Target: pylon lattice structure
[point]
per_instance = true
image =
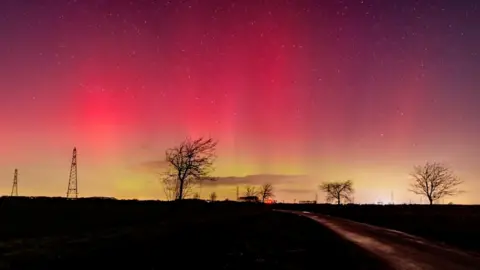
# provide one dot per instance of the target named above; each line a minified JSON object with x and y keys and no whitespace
{"x":15,"y":184}
{"x":72,"y":191}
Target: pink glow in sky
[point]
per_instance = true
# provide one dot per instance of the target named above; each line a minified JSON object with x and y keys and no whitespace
{"x":295,"y":92}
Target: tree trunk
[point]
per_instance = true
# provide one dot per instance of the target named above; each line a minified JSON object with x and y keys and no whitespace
{"x":338,"y":200}
{"x":180,"y":192}
{"x":430,"y":200}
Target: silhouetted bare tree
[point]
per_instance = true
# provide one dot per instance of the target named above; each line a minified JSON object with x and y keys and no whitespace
{"x":213,"y":196}
{"x":250,"y":191}
{"x":171,"y":187}
{"x":266,"y":192}
{"x":338,"y":191}
{"x":189,"y":163}
{"x":434,"y":181}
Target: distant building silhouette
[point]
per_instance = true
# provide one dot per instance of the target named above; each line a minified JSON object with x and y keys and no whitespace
{"x":249,"y":199}
{"x":307,"y":202}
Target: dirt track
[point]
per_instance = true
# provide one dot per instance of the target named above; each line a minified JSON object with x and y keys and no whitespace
{"x":402,"y":251}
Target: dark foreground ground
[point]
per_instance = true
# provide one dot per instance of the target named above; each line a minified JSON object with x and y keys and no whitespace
{"x":155,"y":235}
{"x":454,"y":225}
{"x":403,"y":251}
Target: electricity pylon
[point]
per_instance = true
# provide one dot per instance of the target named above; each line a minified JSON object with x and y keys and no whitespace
{"x":15,"y":184}
{"x":72,"y":191}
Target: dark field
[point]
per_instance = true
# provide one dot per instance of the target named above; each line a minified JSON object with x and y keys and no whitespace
{"x":48,"y":233}
{"x":455,"y":225}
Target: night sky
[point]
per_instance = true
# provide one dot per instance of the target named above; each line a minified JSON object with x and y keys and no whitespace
{"x":296,"y":92}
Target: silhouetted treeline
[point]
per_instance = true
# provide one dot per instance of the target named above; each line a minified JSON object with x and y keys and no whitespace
{"x":44,"y":216}
{"x":453,"y":224}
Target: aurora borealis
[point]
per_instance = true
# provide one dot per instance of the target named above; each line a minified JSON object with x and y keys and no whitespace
{"x":296,"y":92}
